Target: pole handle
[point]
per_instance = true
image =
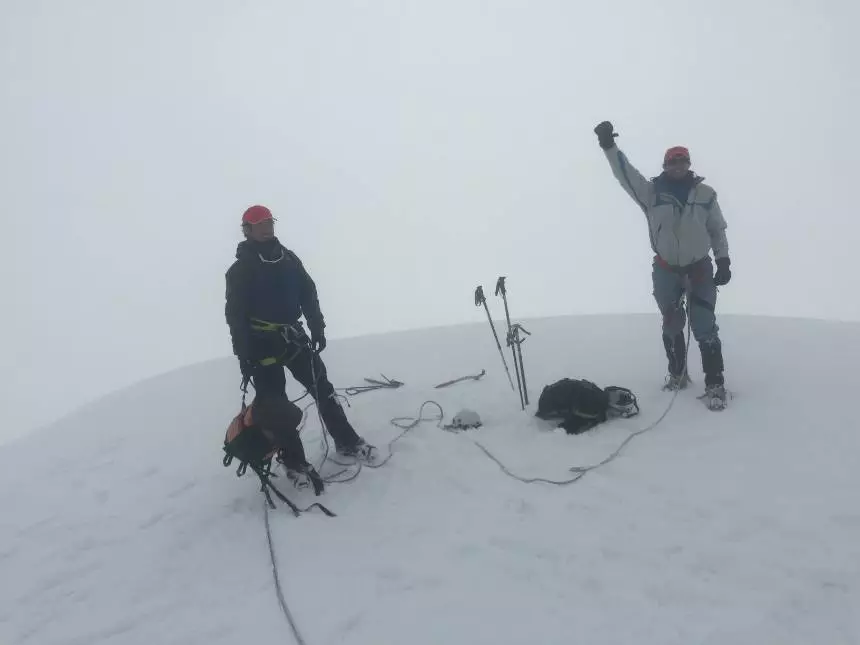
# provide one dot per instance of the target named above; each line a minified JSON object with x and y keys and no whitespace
{"x":500,"y":286}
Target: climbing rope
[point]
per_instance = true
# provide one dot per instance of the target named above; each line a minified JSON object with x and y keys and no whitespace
{"x":409,"y":423}
{"x":397,"y":421}
{"x":278,"y":588}
{"x":337,"y":478}
{"x":412,"y":422}
{"x":582,"y":470}
{"x":526,"y":480}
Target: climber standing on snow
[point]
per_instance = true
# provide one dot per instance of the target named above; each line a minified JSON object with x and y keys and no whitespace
{"x":268,"y":289}
{"x":685,"y":224}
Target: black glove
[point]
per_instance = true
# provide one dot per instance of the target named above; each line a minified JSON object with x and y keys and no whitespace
{"x":605,"y":135}
{"x":318,"y":342}
{"x":723,"y":274}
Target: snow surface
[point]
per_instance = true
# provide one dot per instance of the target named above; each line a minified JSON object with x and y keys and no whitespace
{"x":120,"y":525}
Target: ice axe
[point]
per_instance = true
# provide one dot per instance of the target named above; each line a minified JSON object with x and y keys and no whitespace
{"x":469,"y":377}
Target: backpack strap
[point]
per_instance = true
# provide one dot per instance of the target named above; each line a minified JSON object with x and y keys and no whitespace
{"x":579,"y":421}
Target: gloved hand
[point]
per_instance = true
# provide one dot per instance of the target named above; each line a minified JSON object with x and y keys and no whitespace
{"x":605,"y":135}
{"x":318,"y":342}
{"x":724,"y":273}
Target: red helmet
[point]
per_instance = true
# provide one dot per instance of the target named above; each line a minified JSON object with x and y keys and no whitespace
{"x":676,"y":152}
{"x":256,"y":214}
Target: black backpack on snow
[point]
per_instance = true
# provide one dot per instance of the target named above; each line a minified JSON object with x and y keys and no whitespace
{"x":581,"y":405}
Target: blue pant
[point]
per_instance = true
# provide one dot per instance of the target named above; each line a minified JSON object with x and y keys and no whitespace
{"x":669,"y":285}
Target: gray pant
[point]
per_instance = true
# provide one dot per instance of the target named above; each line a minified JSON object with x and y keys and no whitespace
{"x":669,"y":284}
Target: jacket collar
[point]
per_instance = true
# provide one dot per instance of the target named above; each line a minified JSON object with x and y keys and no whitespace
{"x":269,"y":252}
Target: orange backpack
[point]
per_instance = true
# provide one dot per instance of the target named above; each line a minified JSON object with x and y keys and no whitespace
{"x":248,"y":443}
{"x":253,"y":447}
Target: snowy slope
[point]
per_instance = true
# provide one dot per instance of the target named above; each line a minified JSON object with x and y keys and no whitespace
{"x":120,"y":525}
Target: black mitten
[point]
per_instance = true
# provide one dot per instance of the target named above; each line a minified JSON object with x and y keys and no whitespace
{"x":605,"y":135}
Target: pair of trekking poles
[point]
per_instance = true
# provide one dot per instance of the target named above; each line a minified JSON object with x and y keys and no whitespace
{"x":513,"y":339}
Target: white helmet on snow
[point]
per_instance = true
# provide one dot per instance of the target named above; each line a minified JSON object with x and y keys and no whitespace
{"x":466,"y":418}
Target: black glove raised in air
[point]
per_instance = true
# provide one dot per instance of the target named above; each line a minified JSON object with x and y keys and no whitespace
{"x":605,"y":135}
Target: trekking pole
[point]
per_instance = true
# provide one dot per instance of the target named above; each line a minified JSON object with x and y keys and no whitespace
{"x":481,"y":300}
{"x":519,"y":341}
{"x":501,"y":289}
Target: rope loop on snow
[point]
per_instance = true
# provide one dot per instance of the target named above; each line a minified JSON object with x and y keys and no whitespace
{"x":582,"y":470}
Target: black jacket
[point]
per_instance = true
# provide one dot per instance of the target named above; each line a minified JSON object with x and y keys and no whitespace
{"x":267,"y":282}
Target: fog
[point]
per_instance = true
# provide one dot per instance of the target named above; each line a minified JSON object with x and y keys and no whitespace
{"x":410,"y":152}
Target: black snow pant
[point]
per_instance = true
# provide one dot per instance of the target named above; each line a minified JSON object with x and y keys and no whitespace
{"x":270,"y":384}
{"x":669,"y":284}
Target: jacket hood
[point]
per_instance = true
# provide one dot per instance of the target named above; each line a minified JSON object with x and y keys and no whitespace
{"x":251,"y":249}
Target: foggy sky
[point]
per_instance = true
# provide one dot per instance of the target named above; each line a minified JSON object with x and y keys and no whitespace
{"x":410,"y":150}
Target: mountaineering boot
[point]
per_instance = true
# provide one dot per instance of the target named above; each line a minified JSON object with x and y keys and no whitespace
{"x":299,"y":479}
{"x":674,"y":382}
{"x":712,"y":365}
{"x":360,"y":451}
{"x":305,"y":476}
{"x":676,"y":354}
{"x":715,"y":397}
{"x":299,"y":472}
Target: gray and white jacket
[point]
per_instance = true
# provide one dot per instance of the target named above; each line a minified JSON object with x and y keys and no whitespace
{"x":681,"y":232}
